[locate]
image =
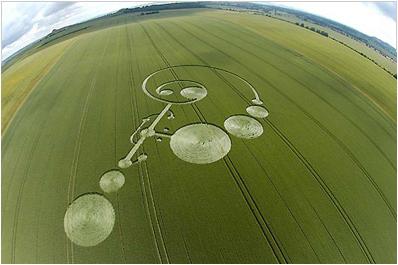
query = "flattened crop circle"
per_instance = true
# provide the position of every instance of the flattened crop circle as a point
(243, 126)
(112, 181)
(89, 220)
(165, 92)
(257, 111)
(200, 143)
(193, 93)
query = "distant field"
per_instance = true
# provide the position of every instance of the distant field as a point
(389, 64)
(319, 186)
(23, 77)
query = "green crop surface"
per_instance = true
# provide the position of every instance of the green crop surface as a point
(198, 136)
(360, 47)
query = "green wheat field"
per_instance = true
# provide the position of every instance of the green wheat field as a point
(318, 186)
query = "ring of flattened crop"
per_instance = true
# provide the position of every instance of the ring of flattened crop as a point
(256, 100)
(160, 88)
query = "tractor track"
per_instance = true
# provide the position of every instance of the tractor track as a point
(33, 149)
(144, 168)
(140, 170)
(280, 254)
(75, 161)
(25, 177)
(268, 177)
(121, 235)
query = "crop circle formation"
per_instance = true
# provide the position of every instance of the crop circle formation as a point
(89, 220)
(257, 111)
(190, 90)
(165, 92)
(243, 126)
(193, 90)
(124, 163)
(200, 143)
(193, 93)
(112, 181)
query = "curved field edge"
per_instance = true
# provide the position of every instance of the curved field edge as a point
(19, 81)
(365, 76)
(295, 195)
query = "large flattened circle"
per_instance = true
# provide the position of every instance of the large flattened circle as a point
(243, 126)
(112, 181)
(89, 220)
(200, 143)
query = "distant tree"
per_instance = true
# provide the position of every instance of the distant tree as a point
(324, 33)
(302, 24)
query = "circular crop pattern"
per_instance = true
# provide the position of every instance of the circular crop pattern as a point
(200, 143)
(165, 90)
(89, 220)
(190, 90)
(243, 126)
(193, 93)
(257, 111)
(124, 163)
(112, 181)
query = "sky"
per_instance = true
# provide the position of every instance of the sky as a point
(24, 22)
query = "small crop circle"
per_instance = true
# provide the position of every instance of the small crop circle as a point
(257, 111)
(165, 92)
(124, 163)
(243, 126)
(112, 181)
(89, 220)
(196, 93)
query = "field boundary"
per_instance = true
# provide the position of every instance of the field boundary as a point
(33, 84)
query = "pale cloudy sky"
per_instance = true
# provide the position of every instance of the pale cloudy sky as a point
(25, 22)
